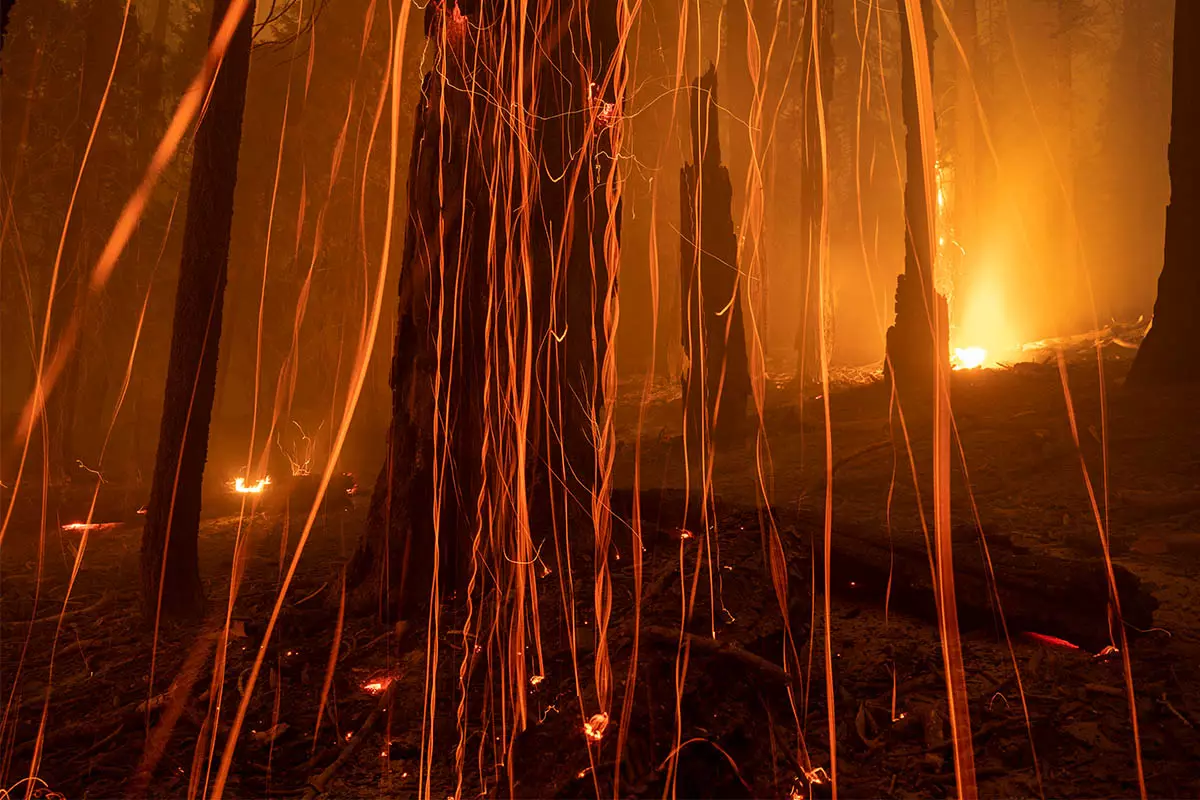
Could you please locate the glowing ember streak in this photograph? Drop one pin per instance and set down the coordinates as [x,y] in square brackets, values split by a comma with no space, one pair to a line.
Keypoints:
[536,679]
[969,357]
[594,727]
[1052,641]
[241,487]
[606,112]
[90,527]
[378,686]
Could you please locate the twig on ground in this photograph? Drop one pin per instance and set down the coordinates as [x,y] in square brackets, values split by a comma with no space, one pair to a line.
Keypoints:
[104,600]
[719,648]
[317,785]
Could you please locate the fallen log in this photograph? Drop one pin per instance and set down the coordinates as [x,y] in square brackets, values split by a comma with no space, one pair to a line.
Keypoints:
[1039,592]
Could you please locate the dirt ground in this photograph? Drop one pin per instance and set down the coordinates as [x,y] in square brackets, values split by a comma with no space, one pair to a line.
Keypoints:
[102,695]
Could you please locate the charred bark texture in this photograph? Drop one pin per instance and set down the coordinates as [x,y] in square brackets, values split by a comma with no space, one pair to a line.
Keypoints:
[504,278]
[1168,353]
[911,349]
[716,384]
[169,565]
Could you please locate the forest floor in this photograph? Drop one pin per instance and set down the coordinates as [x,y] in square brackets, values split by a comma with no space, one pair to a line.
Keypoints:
[120,720]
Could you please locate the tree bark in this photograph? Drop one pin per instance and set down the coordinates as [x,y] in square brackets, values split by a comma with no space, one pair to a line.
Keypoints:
[169,562]
[1168,353]
[911,349]
[716,385]
[505,278]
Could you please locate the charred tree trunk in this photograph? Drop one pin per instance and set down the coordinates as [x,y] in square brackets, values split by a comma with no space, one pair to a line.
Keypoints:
[505,294]
[911,348]
[170,570]
[1168,353]
[716,385]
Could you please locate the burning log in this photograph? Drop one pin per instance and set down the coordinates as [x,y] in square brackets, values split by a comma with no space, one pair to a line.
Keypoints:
[716,383]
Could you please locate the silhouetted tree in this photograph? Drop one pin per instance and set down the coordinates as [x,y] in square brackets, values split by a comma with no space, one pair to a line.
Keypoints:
[5,7]
[910,341]
[716,385]
[169,561]
[1168,353]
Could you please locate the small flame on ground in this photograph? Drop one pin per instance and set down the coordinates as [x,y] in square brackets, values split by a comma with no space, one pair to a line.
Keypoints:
[90,527]
[969,357]
[594,727]
[241,487]
[377,686]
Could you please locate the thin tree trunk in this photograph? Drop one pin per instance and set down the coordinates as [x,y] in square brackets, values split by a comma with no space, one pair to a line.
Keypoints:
[5,8]
[170,568]
[911,347]
[1169,352]
[717,381]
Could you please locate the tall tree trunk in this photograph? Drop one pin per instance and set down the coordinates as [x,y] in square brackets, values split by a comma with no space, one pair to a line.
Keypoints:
[716,385]
[170,569]
[505,277]
[808,335]
[1169,352]
[911,349]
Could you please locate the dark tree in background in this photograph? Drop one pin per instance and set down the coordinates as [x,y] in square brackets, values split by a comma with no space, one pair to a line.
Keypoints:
[1168,353]
[911,351]
[170,569]
[716,385]
[5,7]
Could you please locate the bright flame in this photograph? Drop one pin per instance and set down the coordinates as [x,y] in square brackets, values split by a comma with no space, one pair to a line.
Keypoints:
[241,487]
[91,527]
[969,357]
[377,686]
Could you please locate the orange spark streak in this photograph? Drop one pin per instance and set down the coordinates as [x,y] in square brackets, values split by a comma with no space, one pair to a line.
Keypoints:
[359,378]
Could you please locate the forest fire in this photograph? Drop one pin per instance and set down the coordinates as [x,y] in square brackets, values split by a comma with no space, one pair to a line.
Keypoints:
[90,527]
[377,685]
[736,386]
[969,357]
[240,485]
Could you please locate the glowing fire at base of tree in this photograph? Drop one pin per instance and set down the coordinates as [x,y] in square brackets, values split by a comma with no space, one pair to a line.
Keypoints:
[969,357]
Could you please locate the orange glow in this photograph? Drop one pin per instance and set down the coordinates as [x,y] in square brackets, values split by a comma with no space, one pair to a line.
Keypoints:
[1052,641]
[241,487]
[969,357]
[90,527]
[377,686]
[594,727]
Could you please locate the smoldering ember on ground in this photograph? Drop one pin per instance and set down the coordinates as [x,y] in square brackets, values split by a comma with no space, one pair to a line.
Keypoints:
[726,398]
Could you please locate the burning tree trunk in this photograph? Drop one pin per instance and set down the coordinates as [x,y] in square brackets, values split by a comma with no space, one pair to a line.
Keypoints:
[716,384]
[1168,353]
[170,572]
[911,346]
[502,343]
